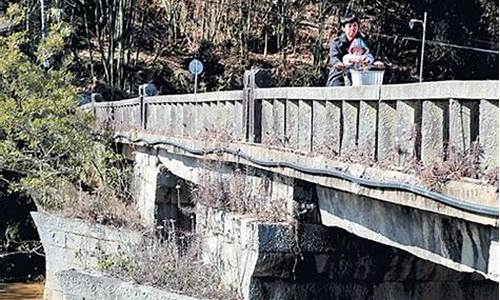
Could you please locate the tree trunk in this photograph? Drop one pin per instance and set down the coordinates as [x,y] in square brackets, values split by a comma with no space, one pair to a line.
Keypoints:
[98,15]
[89,42]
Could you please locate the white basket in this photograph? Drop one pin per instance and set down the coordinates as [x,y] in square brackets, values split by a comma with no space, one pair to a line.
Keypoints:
[372,77]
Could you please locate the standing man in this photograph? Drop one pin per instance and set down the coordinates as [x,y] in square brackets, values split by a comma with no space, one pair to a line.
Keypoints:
[339,47]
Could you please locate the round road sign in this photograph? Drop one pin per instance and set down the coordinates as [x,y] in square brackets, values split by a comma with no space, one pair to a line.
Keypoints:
[195,67]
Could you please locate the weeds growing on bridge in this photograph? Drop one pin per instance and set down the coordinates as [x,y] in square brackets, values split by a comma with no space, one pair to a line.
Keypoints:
[457,165]
[169,260]
[102,207]
[240,192]
[107,201]
[213,134]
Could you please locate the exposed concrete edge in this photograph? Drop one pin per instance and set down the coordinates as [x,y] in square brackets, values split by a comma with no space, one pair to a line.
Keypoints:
[361,231]
[453,89]
[397,197]
[273,237]
[402,198]
[87,285]
[74,243]
[441,90]
[76,226]
[88,105]
[201,97]
[319,93]
[126,102]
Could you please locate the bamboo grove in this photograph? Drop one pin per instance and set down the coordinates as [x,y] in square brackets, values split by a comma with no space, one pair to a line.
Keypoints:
[119,44]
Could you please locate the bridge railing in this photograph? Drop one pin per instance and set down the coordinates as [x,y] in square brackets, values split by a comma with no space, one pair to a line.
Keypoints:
[121,115]
[191,115]
[400,123]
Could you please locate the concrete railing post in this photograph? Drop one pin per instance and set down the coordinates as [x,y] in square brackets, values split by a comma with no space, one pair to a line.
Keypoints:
[320,125]
[179,126]
[252,109]
[408,130]
[349,126]
[292,123]
[434,133]
[249,105]
[463,125]
[386,130]
[95,97]
[488,133]
[267,120]
[145,90]
[142,108]
[305,118]
[334,115]
[367,138]
[92,98]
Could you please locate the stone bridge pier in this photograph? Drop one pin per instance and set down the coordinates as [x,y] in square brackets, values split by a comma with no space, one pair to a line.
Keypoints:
[159,193]
[350,248]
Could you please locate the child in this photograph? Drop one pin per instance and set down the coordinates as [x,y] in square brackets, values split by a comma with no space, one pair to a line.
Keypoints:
[359,56]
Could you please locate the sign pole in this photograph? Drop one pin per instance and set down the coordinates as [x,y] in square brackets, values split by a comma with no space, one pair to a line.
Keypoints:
[195,83]
[424,24]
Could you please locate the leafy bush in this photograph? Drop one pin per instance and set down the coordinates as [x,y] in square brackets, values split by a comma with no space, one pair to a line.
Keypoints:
[44,138]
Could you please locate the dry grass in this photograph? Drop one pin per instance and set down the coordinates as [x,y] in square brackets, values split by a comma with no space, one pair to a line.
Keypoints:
[103,206]
[492,177]
[328,148]
[458,164]
[172,262]
[106,205]
[275,140]
[215,135]
[240,193]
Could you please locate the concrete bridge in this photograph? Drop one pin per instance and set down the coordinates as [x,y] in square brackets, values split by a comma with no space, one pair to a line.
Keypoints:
[346,158]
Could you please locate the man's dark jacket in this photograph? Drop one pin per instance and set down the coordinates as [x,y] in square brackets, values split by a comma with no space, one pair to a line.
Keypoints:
[339,47]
